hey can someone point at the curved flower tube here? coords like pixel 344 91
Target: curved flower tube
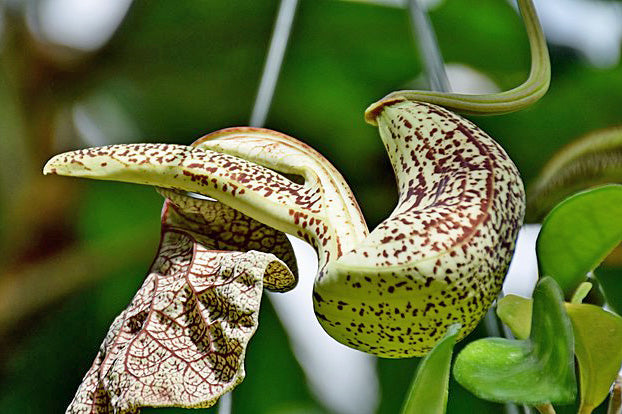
pixel 438 259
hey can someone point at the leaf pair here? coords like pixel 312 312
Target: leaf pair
pixel 598 335
pixel 532 371
pixel 575 237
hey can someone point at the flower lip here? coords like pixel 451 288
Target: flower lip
pixel 372 112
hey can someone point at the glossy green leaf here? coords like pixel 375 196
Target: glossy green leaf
pixel 429 389
pixel 598 335
pixel 578 234
pixel 515 312
pixel 533 371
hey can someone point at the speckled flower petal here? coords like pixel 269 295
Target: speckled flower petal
pixel 182 340
pixel 438 259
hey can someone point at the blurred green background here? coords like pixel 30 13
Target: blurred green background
pixel 73 253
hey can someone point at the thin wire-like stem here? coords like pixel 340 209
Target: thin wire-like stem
pixel 274 61
pixel 428 48
pixel 225 402
pixel 515 99
pixel 263 100
pixel 490 323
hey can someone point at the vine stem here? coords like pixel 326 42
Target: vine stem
pixel 515 99
pixel 428 48
pixel 225 402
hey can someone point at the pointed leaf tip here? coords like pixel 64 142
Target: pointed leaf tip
pixel 429 389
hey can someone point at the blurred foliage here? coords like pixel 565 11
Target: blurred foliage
pixel 586 162
pixel 609 278
pixel 176 70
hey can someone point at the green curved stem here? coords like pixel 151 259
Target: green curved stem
pixel 489 104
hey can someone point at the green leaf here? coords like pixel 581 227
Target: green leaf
pixel 598 335
pixel 515 312
pixel 429 389
pixel 534 371
pixel 578 234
